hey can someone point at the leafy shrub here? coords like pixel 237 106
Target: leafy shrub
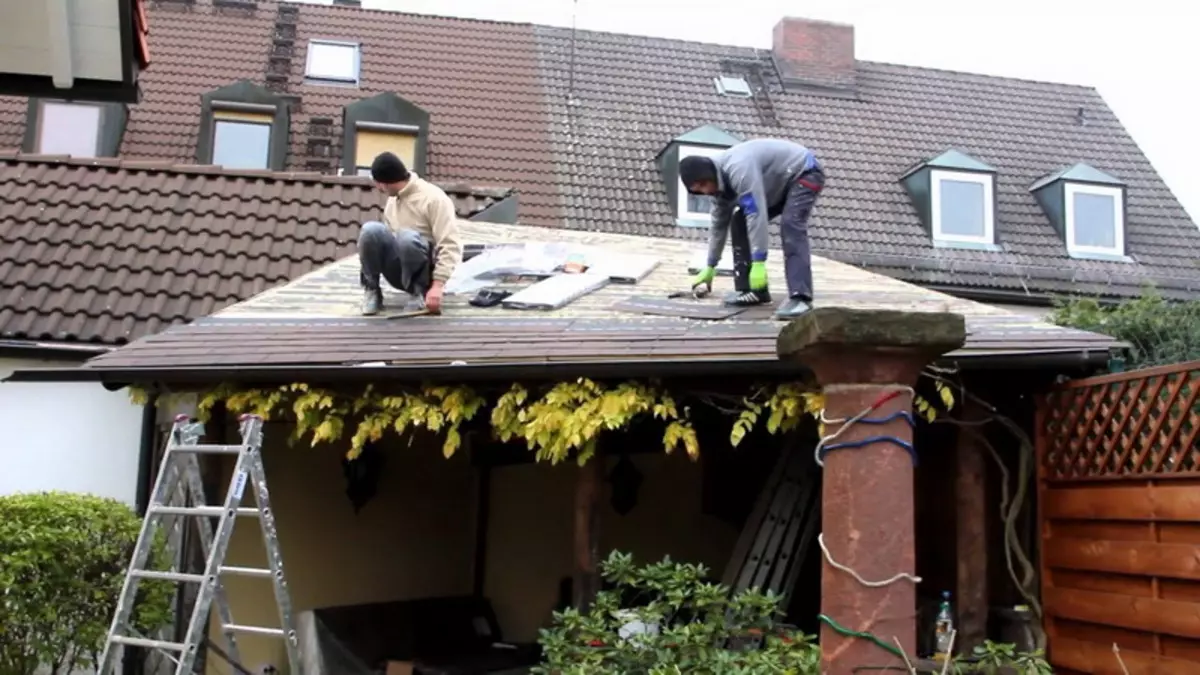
pixel 62 563
pixel 674 622
pixel 1159 331
pixel 665 618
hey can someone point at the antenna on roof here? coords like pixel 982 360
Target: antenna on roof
pixel 571 66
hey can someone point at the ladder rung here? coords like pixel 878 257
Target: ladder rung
pixel 150 644
pixel 254 630
pixel 168 576
pixel 247 572
pixel 210 449
pixel 200 511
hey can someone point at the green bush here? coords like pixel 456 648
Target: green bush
pixel 62 563
pixel 1159 331
pixel 701 628
pixel 666 619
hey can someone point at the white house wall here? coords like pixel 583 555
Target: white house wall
pixel 76 437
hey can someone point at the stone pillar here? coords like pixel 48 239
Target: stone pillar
pixel 859 357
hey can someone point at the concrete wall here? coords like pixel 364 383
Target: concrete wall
pixel 416 538
pixel 76 437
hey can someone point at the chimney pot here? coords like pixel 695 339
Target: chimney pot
pixel 811 52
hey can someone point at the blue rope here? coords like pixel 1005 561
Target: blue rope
pixel 868 441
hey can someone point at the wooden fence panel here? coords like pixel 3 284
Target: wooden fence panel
pixel 1119 498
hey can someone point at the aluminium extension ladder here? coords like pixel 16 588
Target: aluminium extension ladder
pixel 178 480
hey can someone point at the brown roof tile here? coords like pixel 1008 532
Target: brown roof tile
pixel 478 81
pixel 636 93
pixel 106 252
pixel 314 321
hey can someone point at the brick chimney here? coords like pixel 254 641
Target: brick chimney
pixel 815 53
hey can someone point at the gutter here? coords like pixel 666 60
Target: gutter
pixel 117 378
pixel 34 348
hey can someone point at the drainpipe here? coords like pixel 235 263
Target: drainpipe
pixel 146 455
pixel 133 662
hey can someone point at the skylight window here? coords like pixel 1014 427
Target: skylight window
pixel 962 207
pixel 1095 219
pixel 69 129
pixel 732 85
pixel 333 61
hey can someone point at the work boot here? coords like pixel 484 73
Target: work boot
pixel 747 298
pixel 372 301
pixel 792 308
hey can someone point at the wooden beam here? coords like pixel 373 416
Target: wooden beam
pixel 970 496
pixel 588 491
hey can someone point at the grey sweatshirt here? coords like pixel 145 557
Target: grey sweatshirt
pixel 754 175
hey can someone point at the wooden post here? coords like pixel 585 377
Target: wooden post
pixel 588 493
pixel 860 357
pixel 970 495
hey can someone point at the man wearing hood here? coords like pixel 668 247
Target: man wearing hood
pixel 765 178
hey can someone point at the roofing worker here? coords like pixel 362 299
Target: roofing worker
pixel 418 247
pixel 763 177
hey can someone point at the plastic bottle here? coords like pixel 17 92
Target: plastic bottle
pixel 943 626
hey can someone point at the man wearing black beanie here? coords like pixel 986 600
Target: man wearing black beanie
pixel 416 247
pixel 765 178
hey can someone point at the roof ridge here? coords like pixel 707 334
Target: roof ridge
pixel 167 166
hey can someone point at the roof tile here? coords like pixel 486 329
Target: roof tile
pixel 107 253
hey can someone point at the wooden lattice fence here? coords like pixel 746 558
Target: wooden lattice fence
pixel 1119 496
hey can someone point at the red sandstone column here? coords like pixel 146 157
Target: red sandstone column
pixel 860 357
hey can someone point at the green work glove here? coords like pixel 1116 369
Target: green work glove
pixel 702 282
pixel 758 276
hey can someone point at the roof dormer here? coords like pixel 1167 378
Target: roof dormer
pixel 708 140
pixel 955 196
pixel 384 122
pixel 243 126
pixel 1087 208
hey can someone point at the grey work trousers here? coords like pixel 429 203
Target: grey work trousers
pixel 797 206
pixel 404 258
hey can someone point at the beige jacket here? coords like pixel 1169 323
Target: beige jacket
pixel 424 207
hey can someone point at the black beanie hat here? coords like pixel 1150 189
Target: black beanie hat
pixel 388 168
pixel 695 168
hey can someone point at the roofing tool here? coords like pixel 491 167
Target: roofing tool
pixel 179 494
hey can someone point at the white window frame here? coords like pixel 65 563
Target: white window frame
pixel 326 77
pixel 724 90
pixel 1118 196
pixel 42 130
pixel 681 204
pixel 989 206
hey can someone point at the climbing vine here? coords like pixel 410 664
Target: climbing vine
pixel 555 422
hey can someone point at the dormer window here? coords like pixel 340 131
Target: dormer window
pixel 962 207
pixel 695 207
pixel 691 210
pixel 383 123
pixel 243 126
pixel 1087 208
pixel 79 129
pixel 955 196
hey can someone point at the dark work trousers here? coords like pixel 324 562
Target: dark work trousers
pixel 793 230
pixel 404 258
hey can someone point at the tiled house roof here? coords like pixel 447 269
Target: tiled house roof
pixel 496 95
pixel 106 251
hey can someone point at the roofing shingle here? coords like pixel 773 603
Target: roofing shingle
pixel 314 321
pixel 107 251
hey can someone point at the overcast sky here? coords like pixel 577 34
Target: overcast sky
pixel 1141 55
